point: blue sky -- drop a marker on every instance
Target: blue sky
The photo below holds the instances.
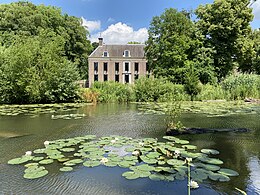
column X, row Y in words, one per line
column 120, row 21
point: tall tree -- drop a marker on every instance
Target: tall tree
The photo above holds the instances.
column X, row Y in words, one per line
column 170, row 44
column 223, row 24
column 34, row 70
column 26, row 19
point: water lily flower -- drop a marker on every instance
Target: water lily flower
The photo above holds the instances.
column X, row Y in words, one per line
column 28, row 153
column 141, row 144
column 177, row 152
column 104, row 160
column 188, row 160
column 116, row 138
column 113, row 141
column 136, row 153
column 194, row 184
column 46, row 143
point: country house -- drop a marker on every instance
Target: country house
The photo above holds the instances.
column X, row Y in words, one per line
column 121, row 63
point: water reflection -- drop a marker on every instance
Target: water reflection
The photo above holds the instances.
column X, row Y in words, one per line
column 239, row 151
column 254, row 176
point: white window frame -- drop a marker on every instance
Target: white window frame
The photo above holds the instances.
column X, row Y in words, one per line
column 129, row 55
column 106, row 53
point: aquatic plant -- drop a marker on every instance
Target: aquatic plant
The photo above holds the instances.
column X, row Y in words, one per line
column 140, row 157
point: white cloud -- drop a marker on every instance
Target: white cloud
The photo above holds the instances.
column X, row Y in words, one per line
column 91, row 25
column 256, row 9
column 121, row 33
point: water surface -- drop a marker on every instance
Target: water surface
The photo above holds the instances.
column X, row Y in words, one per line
column 239, row 151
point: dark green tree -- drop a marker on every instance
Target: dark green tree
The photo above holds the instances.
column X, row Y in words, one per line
column 223, row 24
column 26, row 19
column 191, row 85
column 34, row 70
column 249, row 48
column 170, row 44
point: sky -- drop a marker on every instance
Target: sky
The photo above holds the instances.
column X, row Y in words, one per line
column 121, row 21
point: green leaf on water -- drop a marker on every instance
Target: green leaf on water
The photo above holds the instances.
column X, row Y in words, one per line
column 20, row 160
column 91, row 163
column 209, row 151
column 228, row 172
column 65, row 169
column 175, row 162
column 46, row 161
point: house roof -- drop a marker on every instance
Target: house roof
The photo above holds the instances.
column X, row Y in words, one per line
column 117, row 51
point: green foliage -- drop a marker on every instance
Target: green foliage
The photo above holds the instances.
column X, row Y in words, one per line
column 157, row 89
column 242, row 86
column 133, row 42
column 113, row 92
column 173, row 112
column 225, row 26
column 169, row 44
column 191, row 85
column 250, row 53
column 37, row 73
column 24, row 19
column 211, row 92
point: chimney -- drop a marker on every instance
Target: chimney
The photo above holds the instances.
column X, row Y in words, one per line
column 100, row 41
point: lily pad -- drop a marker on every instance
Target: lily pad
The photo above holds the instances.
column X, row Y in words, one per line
column 180, row 141
column 211, row 160
column 38, row 158
column 46, row 161
column 35, row 174
column 67, row 149
column 130, row 175
column 91, row 163
column 228, row 172
column 66, row 169
column 209, row 151
column 175, row 162
column 190, row 147
column 20, row 160
column 144, row 167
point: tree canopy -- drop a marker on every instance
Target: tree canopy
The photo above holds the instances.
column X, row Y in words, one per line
column 43, row 52
column 168, row 48
column 225, row 25
column 219, row 41
column 24, row 19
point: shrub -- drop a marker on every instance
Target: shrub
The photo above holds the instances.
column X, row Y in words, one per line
column 157, row 90
column 111, row 91
column 241, row 86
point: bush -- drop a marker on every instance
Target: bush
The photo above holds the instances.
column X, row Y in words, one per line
column 34, row 70
column 211, row 92
column 88, row 95
column 241, row 86
column 111, row 91
column 157, row 90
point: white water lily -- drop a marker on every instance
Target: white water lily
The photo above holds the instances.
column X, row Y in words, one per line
column 141, row 144
column 177, row 152
column 104, row 160
column 194, row 184
column 116, row 138
column 113, row 141
column 28, row 153
column 188, row 160
column 46, row 143
column 136, row 153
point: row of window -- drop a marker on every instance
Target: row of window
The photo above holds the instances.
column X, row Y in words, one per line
column 125, row 54
column 126, row 77
column 126, row 66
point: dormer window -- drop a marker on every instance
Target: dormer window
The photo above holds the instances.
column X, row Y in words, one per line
column 126, row 53
column 105, row 54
